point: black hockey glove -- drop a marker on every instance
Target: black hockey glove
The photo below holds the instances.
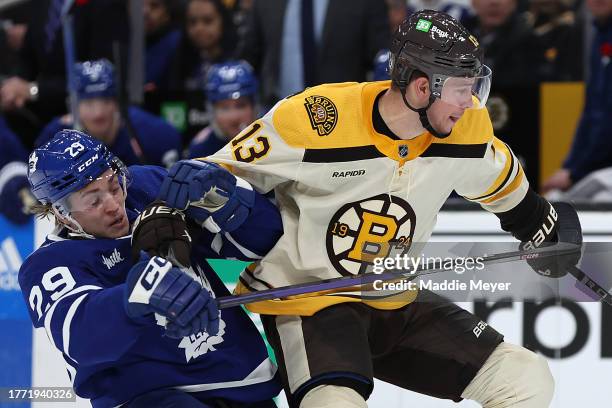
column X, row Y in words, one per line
column 561, row 225
column 162, row 231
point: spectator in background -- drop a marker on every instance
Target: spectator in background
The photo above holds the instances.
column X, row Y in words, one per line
column 240, row 12
column 398, row 12
column 456, row 8
column 13, row 26
column 509, row 42
column 381, row 66
column 161, row 38
column 14, row 188
column 40, row 84
column 209, row 37
column 293, row 44
column 231, row 90
column 141, row 138
column 592, row 146
column 559, row 38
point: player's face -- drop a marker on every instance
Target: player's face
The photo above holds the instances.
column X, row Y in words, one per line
column 204, row 24
column 99, row 207
column 98, row 116
column 443, row 116
column 155, row 15
column 233, row 115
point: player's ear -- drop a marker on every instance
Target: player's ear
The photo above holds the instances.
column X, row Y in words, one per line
column 422, row 88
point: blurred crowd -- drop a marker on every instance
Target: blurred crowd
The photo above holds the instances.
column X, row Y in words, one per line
column 159, row 80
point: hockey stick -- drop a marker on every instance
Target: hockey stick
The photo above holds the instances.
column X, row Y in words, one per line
column 368, row 278
column 596, row 289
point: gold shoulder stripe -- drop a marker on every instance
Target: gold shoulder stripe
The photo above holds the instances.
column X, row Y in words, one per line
column 473, row 128
column 322, row 117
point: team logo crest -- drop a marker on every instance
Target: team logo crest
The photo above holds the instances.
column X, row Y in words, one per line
column 322, row 113
column 201, row 343
column 361, row 231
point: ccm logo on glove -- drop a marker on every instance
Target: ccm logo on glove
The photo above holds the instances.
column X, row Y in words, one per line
column 150, row 278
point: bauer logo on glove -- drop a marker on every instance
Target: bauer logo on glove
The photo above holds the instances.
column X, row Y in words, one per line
column 162, row 231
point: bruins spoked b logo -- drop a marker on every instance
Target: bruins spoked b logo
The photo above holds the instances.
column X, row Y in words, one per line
column 322, row 113
column 360, row 232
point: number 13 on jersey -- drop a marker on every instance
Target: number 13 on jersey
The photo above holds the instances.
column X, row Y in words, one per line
column 249, row 146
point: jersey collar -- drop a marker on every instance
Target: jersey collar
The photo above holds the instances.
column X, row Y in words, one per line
column 394, row 148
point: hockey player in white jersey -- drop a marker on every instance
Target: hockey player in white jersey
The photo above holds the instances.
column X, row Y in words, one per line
column 356, row 165
column 136, row 330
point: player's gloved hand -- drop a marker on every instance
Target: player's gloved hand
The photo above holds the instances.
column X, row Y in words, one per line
column 209, row 194
column 155, row 286
column 13, row 196
column 162, row 231
column 567, row 229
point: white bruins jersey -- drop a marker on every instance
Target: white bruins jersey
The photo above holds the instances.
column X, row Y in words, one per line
column 344, row 190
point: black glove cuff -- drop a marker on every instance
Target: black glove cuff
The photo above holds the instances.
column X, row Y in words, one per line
column 530, row 220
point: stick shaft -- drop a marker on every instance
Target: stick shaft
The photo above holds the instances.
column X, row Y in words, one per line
column 368, row 278
column 597, row 290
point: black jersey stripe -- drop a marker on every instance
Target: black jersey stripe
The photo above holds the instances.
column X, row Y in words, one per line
column 251, row 275
column 468, row 151
column 341, row 154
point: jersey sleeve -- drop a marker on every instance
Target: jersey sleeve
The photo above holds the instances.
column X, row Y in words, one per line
column 82, row 318
column 266, row 153
column 497, row 182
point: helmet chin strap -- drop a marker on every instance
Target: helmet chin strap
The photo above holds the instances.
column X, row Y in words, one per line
column 71, row 224
column 423, row 114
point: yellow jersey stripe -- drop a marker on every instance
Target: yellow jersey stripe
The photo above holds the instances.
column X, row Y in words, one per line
column 508, row 189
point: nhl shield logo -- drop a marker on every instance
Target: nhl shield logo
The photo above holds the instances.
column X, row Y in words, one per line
column 402, row 151
column 322, row 113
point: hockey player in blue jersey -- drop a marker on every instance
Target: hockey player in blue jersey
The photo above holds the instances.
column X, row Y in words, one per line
column 141, row 139
column 231, row 88
column 14, row 189
column 144, row 334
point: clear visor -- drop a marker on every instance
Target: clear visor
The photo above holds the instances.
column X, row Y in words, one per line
column 108, row 188
column 467, row 92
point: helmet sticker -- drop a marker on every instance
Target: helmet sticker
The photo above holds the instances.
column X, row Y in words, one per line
column 441, row 33
column 423, row 25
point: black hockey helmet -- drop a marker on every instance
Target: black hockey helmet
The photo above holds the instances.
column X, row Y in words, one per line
column 436, row 44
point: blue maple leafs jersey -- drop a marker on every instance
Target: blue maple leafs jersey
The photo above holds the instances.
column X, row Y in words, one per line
column 75, row 290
